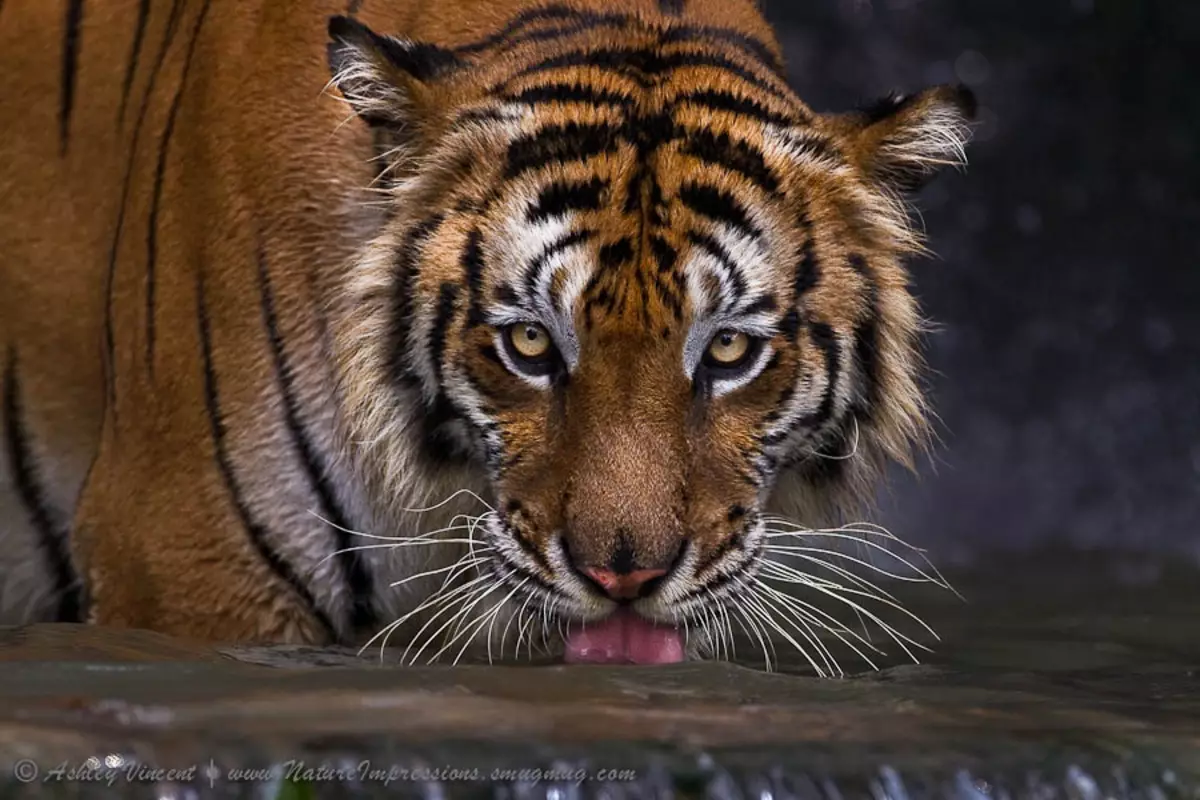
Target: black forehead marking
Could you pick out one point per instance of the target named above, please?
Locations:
(561, 197)
(748, 89)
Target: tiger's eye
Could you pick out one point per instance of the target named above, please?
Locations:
(530, 341)
(728, 348)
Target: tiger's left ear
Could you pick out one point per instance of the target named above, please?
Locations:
(383, 77)
(902, 141)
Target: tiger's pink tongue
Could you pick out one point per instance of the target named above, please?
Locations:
(624, 638)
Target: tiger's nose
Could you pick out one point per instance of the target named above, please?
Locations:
(624, 585)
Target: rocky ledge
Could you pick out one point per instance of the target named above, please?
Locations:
(1042, 688)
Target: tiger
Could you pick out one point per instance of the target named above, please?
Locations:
(312, 312)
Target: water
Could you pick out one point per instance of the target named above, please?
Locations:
(1061, 676)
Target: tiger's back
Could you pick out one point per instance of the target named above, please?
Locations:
(141, 140)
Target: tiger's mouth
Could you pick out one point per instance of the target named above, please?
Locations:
(624, 637)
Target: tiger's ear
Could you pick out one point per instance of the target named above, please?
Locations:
(902, 141)
(382, 77)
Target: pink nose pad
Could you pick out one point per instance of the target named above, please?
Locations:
(623, 586)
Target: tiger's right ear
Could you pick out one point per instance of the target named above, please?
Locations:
(381, 76)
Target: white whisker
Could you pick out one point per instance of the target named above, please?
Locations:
(478, 594)
(832, 590)
(807, 611)
(934, 578)
(754, 603)
(439, 597)
(450, 499)
(763, 642)
(837, 569)
(428, 573)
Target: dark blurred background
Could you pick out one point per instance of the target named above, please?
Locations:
(1067, 277)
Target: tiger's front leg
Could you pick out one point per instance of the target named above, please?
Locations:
(182, 518)
(160, 545)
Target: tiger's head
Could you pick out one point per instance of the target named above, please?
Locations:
(642, 292)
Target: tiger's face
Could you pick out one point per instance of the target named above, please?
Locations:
(644, 292)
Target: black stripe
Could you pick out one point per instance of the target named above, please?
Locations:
(736, 540)
(472, 261)
(666, 278)
(644, 65)
(601, 290)
(776, 89)
(255, 531)
(718, 252)
(404, 282)
(735, 156)
(789, 326)
(866, 336)
(633, 190)
(718, 205)
(110, 274)
(568, 93)
(359, 580)
(615, 254)
(51, 537)
(651, 131)
(722, 100)
(825, 340)
(490, 352)
(672, 7)
(70, 64)
(753, 47)
(135, 51)
(808, 269)
(761, 305)
(591, 23)
(159, 174)
(441, 443)
(529, 547)
(560, 143)
(785, 397)
(644, 298)
(559, 198)
(504, 293)
(555, 12)
(473, 117)
(421, 60)
(447, 304)
(664, 254)
(772, 363)
(813, 145)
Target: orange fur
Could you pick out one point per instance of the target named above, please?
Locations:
(137, 247)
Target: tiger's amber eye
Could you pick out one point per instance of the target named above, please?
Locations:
(530, 341)
(728, 348)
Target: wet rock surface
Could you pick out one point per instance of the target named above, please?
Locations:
(1042, 685)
